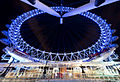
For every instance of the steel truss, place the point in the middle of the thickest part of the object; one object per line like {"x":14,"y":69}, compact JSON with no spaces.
{"x":18,"y":42}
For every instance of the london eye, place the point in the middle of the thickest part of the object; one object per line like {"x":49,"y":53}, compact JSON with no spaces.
{"x":60,"y":42}
{"x":57,"y":49}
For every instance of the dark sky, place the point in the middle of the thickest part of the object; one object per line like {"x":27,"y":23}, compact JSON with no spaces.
{"x":76,"y":33}
{"x":10,"y":9}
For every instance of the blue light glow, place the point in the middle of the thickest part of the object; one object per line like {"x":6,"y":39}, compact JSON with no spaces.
{"x":17,"y":40}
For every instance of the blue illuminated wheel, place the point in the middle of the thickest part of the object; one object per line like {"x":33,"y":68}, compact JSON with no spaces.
{"x":19,"y":43}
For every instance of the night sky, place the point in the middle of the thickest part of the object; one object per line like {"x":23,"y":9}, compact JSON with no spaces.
{"x":76,"y":33}
{"x":10,"y":9}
